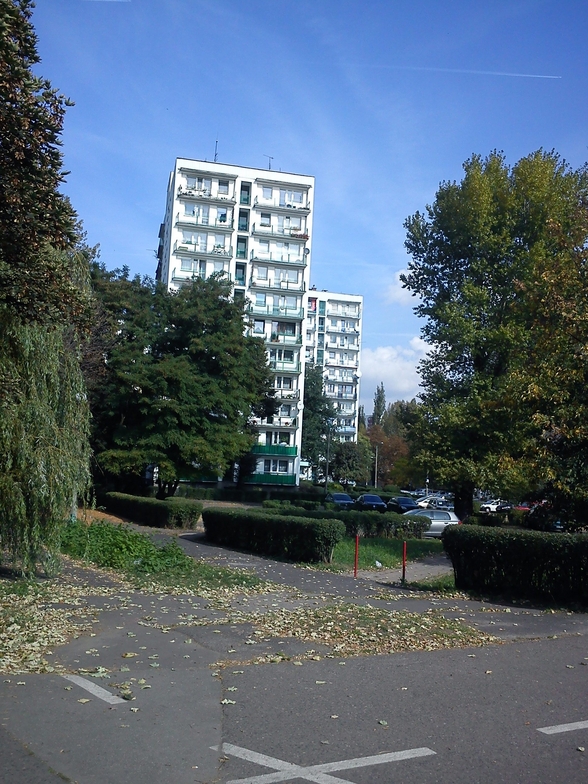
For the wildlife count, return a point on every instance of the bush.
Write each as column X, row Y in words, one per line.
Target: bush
column 292, row 537
column 366, row 523
column 488, row 520
column 171, row 513
column 524, row 564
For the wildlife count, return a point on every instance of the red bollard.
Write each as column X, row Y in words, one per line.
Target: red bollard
column 403, row 562
column 356, row 555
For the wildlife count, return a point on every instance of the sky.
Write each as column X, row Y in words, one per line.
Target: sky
column 381, row 101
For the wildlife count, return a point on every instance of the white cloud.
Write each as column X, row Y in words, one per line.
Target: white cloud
column 396, row 293
column 395, row 367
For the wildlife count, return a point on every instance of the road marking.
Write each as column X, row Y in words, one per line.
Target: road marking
column 94, row 689
column 575, row 725
column 285, row 771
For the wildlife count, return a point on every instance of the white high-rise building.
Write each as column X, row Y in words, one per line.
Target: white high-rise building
column 333, row 341
column 254, row 225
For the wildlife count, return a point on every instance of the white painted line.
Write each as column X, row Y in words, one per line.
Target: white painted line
column 285, row 771
column 575, row 725
column 94, row 689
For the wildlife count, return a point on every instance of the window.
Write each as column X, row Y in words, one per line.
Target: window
column 238, row 295
column 219, row 266
column 245, row 193
column 261, row 273
column 267, row 465
column 287, row 383
column 292, row 276
column 240, row 274
column 331, row 355
column 187, row 265
column 223, row 187
column 219, row 241
column 189, row 209
column 285, row 410
column 202, row 268
column 264, row 247
column 333, row 322
column 221, row 214
column 260, row 300
column 259, row 327
column 267, row 192
column 286, row 328
column 241, row 248
column 243, row 220
column 266, row 219
column 288, row 355
column 282, row 468
column 190, row 182
column 320, row 357
column 321, row 324
column 322, row 311
column 290, row 198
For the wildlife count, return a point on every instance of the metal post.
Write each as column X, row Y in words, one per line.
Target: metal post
column 327, row 466
column 376, row 471
column 403, row 562
column 356, row 555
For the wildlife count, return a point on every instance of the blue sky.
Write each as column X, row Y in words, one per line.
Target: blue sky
column 380, row 101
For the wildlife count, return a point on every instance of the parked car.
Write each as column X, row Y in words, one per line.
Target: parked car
column 341, row 499
column 496, row 505
column 402, row 504
column 440, row 519
column 370, row 502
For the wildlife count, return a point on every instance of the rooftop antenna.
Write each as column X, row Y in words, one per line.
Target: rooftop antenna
column 216, row 151
column 269, row 161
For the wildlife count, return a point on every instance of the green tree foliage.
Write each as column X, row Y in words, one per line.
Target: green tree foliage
column 318, row 412
column 44, row 299
column 475, row 253
column 183, row 380
column 379, row 405
column 36, row 220
column 346, row 462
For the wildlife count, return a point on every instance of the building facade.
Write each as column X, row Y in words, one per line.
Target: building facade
column 333, row 341
column 255, row 226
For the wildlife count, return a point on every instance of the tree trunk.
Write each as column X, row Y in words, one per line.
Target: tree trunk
column 464, row 500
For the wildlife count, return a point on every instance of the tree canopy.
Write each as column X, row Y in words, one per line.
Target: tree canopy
column 183, row 380
column 483, row 265
column 318, row 414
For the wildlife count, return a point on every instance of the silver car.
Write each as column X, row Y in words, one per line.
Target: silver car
column 440, row 519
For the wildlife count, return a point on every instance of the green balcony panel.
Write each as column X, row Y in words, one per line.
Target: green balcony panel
column 274, row 449
column 271, row 479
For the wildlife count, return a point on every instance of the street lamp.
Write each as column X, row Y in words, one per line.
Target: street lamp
column 330, row 423
column 378, row 445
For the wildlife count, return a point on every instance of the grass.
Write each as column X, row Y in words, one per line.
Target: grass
column 445, row 583
column 144, row 563
column 387, row 551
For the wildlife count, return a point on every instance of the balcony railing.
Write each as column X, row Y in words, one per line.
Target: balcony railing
column 342, row 347
column 284, row 340
column 341, row 395
column 193, row 248
column 284, row 205
column 280, row 421
column 275, row 310
column 270, row 479
column 341, row 363
column 345, row 330
column 278, row 285
column 204, row 193
column 274, row 449
column 343, row 313
column 276, row 257
column 287, row 394
column 275, row 231
column 346, row 429
column 284, row 367
column 197, row 220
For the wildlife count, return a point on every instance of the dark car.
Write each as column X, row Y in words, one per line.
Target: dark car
column 402, row 504
column 369, row 502
column 341, row 499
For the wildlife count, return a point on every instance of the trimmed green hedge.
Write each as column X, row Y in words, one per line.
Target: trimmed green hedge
column 171, row 513
column 366, row 523
column 525, row 564
column 295, row 538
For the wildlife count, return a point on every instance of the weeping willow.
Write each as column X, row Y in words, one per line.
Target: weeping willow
column 44, row 452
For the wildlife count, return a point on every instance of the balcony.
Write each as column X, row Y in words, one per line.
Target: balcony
column 194, row 249
column 271, row 479
column 273, row 310
column 341, row 363
column 341, row 395
column 287, row 394
column 344, row 313
column 275, row 231
column 284, row 367
column 196, row 220
column 278, row 258
column 280, row 205
column 346, row 430
column 344, row 330
column 280, row 421
column 284, row 340
column 274, row 449
column 342, row 347
column 278, row 285
column 204, row 195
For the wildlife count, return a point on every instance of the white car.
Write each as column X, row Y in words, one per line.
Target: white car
column 492, row 506
column 440, row 519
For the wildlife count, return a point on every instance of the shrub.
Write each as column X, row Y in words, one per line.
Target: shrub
column 525, row 564
column 171, row 513
column 292, row 537
column 366, row 523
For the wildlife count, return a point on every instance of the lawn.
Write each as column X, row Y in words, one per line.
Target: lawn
column 387, row 551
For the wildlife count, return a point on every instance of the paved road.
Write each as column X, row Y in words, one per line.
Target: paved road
column 463, row 716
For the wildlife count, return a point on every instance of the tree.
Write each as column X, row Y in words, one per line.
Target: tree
column 44, row 307
column 474, row 255
column 184, row 381
column 379, row 405
column 391, row 448
column 318, row 415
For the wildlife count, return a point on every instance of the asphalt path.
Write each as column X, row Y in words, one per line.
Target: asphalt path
column 463, row 715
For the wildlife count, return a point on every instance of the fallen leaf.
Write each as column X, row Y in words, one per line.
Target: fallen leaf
column 334, row 716
column 84, row 700
column 129, row 655
column 228, row 702
column 383, row 723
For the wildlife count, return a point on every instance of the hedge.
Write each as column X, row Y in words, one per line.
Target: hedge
column 171, row 513
column 523, row 564
column 366, row 523
column 295, row 538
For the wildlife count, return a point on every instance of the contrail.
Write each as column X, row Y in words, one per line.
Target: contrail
column 463, row 71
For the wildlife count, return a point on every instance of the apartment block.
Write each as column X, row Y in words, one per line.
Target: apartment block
column 255, row 226
column 333, row 340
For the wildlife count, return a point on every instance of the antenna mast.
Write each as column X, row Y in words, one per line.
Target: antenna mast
column 269, row 161
column 216, row 151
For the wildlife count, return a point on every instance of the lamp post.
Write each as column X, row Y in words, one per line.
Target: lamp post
column 329, row 426
column 378, row 445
